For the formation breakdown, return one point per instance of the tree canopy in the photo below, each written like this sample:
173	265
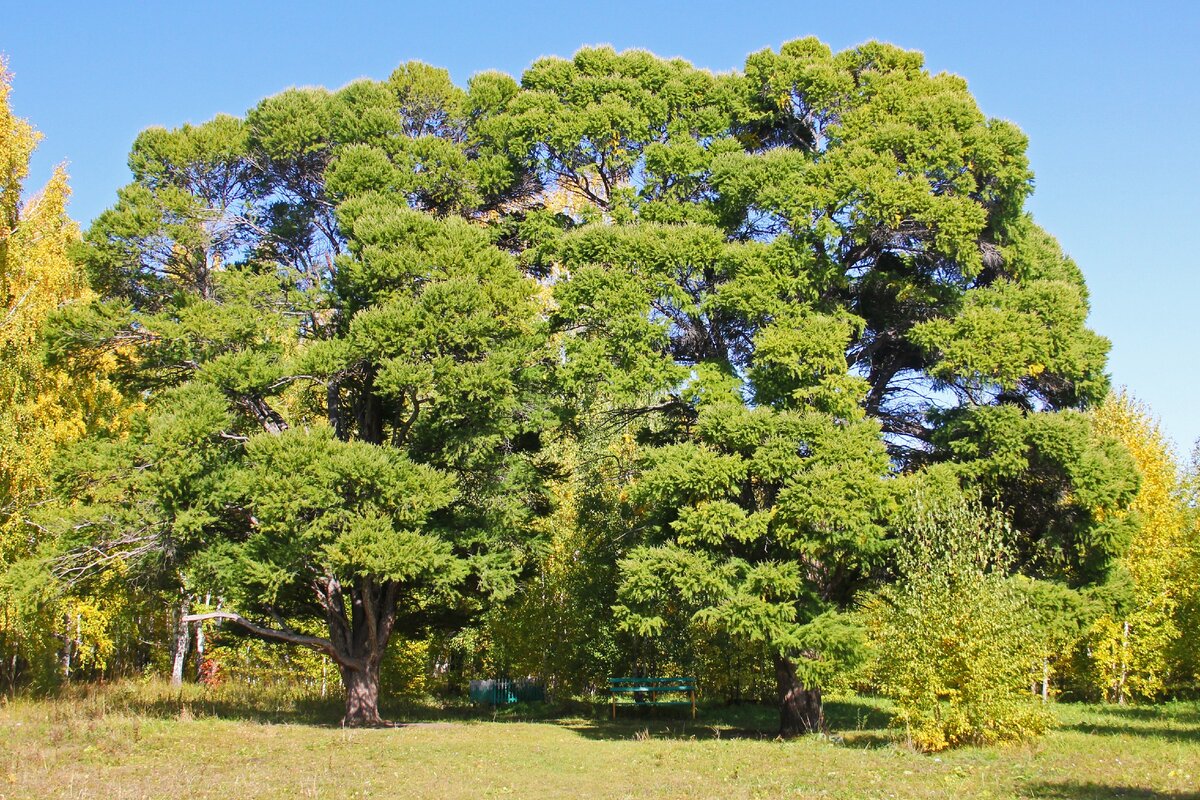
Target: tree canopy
372	334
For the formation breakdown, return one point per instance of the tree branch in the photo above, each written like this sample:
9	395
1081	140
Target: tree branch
270	419
314	642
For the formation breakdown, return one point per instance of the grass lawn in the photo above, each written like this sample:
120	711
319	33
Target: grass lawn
143	742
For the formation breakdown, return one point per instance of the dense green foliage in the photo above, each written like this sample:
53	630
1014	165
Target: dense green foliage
624	366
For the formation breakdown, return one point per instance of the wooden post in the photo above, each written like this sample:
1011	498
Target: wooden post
693	694
614	705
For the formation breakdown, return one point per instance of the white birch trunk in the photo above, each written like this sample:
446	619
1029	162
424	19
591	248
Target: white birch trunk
182	638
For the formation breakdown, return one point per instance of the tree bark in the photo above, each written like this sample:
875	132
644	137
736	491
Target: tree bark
357	641
202	674
334	408
270	419
359	671
362	696
800	708
182	639
65	659
1124	663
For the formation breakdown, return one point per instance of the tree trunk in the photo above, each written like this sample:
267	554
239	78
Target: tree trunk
362	697
800	709
357	642
182	638
200	668
66	651
1124	663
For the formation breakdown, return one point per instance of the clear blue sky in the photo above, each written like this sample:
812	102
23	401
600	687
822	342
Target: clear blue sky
1109	95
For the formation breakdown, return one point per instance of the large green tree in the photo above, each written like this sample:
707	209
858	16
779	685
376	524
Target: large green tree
298	295
787	284
780	278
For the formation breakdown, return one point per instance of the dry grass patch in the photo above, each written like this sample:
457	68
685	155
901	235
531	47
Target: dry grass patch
138	742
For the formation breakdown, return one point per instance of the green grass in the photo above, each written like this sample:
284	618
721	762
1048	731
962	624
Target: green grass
134	741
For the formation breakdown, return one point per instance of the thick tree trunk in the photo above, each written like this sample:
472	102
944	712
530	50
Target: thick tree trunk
356	643
361	641
362	697
334	408
800	709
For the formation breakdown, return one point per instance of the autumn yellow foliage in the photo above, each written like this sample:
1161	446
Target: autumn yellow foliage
41	409
1133	652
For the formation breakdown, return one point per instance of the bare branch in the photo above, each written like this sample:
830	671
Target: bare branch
314	642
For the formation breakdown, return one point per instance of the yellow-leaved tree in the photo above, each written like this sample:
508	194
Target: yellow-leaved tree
41	409
1137	654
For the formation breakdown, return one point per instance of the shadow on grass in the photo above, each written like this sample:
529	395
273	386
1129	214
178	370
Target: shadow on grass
263	705
1167	734
321	712
1102	791
852	723
858	713
1186	713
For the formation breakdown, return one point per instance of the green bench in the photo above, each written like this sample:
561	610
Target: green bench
646	691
